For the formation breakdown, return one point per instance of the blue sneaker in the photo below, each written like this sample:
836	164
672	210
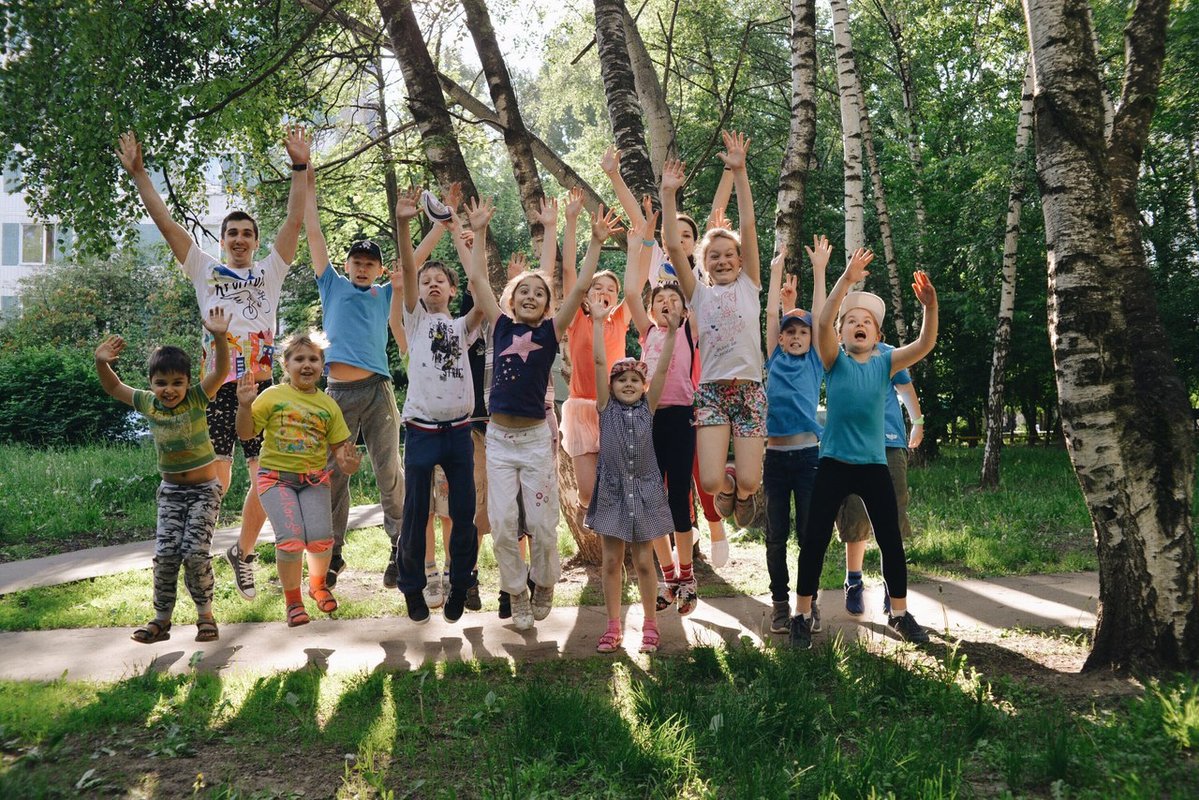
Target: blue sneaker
854	603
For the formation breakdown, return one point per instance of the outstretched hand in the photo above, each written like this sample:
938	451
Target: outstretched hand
110	349
855	270
649	220
547	215
923	287
408	204
674	175
453	196
247	389
819	252
298	143
718	220
599	309
736	145
574	202
129	151
517	263
217	321
604	224
789	293
610	161
479	212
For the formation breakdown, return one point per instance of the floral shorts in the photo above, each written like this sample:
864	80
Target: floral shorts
740	405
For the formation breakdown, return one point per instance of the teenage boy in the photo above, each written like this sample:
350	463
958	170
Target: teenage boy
248	291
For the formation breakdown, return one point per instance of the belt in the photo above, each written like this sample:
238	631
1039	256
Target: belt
430	425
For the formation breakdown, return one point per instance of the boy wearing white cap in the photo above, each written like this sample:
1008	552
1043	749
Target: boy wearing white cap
852	456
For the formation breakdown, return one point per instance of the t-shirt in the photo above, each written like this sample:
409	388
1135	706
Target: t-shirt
440	387
297	428
729	330
355	321
678	390
180	433
793	392
895	432
250	297
856	394
520	371
578	340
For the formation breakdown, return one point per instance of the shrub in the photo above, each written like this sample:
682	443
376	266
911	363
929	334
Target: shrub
51	396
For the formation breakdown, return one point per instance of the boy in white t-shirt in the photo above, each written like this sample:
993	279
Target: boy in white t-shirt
248	291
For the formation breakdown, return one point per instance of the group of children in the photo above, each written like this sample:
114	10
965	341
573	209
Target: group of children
637	431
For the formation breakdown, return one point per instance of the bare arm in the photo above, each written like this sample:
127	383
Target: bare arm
636	272
736	145
907	396
218	325
570	239
406	210
548	217
909	354
819	254
395	312
720	201
603	225
129	151
610	163
672	179
109	351
826	334
658	381
318	248
247	391
298	150
479	213
774	298
600	357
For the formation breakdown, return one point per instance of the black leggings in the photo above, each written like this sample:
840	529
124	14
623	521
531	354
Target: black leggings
674	446
836	480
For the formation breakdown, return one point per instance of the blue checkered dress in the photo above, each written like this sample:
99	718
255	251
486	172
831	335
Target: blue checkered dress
629	501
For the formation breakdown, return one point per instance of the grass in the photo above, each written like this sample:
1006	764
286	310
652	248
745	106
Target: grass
841	721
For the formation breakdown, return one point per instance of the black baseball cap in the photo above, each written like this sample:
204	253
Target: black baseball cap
367	247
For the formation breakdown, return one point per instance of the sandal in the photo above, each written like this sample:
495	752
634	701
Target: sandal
667	591
611	640
206	630
296	615
650	638
324	598
153	631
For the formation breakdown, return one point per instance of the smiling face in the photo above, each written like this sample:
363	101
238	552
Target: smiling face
859	331
627	387
239	240
722	260
530	299
796	339
363	270
169	387
436	288
303	366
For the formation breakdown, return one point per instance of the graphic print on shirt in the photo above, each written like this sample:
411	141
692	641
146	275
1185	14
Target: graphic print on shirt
299	430
244	299
724	324
522	345
446	348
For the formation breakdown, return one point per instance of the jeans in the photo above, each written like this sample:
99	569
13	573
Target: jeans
787	475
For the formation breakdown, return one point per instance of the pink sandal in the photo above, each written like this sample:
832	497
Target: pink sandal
611	640
650	638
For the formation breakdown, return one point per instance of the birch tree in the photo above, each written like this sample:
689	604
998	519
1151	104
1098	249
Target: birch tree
662	143
851	128
620	90
797	158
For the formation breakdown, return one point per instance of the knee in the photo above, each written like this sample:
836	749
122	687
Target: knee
320	546
289	550
198	561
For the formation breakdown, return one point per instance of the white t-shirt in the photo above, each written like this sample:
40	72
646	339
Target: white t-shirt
729	330
250	298
439	380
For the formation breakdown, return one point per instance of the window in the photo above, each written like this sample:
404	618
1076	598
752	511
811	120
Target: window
9	307
12	177
37	244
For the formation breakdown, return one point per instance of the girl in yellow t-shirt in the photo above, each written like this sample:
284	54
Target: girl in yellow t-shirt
300	425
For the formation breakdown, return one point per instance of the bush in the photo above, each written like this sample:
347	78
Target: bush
51	396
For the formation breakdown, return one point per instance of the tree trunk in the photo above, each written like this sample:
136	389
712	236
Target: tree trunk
1135	469
662	143
1007	292
427	105
851	129
391	183
793	177
620	90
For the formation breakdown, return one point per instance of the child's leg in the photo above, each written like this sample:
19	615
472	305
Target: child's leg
803	480
747	415
479	443
315	510
539	487
580	439
503	484
747	457
202	514
431	541
897	465
421	448
643	562
674	447
462	543
829	489
853	526
878	495
380	426
712	446
168	548
611	575
708	503
778	521
352	400
278	493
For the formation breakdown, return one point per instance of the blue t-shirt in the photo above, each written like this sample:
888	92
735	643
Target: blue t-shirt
355	321
895	431
793	392
520	369
856	397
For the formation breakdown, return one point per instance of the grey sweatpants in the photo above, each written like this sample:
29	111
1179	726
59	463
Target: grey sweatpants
369	407
186	519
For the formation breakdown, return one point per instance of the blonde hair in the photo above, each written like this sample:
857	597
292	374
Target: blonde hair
510	291
314	339
701	249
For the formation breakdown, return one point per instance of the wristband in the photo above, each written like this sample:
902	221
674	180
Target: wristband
648	242
298	167
918	420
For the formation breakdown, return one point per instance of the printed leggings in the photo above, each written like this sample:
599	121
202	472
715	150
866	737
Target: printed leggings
186	519
297	504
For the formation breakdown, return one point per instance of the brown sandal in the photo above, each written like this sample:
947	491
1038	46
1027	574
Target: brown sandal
206	630
296	615
153	631
324	599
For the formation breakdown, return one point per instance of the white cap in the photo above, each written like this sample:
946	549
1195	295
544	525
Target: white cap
867	300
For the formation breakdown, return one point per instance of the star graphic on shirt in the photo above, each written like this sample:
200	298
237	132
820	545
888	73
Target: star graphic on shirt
521	346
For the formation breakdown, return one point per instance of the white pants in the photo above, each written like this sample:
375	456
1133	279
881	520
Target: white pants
520	461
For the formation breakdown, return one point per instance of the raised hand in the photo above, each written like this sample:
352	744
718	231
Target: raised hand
789	294
479	212
674	175
599	308
298	144
574	202
674	318
649	225
517	263
610	161
719	220
408	204
548	213
923	287
468	238
129	151
453	196
247	389
396	277
217	321
819	252
735	147
110	349
856	271
605	224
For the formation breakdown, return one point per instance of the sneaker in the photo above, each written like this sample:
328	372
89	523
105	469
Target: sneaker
854	603
433	591
886	601
336	565
473	601
243	570
543	601
724	501
720	552
505	605
815	621
687	596
455	603
745	510
908	628
522	611
418	609
801	633
780	617
667	592
391	574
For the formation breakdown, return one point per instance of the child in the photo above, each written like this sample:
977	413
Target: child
794	373
629	504
730	399
526	339
248	291
189	497
673	433
437	420
300	425
852	460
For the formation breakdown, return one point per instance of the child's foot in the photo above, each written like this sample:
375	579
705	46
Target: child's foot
745	510
473	601
243	570
391	574
522	611
611	640
324	599
649	638
688	596
667	592
720	552
206	630
153	631
543	602
854	604
780	616
434	596
801	633
418	609
455	604
296	615
908	628
725	499
336	565
505	605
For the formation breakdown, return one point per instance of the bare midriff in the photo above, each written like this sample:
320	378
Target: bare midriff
512	421
348	372
792	440
192	477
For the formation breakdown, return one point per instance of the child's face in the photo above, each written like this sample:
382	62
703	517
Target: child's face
627	387
686	238
436	291
169	387
363	270
530	299
859	331
796	339
665	303
240	243
722	261
603	293
304	367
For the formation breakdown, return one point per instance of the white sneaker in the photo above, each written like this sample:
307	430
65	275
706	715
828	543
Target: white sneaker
433	592
720	553
522	611
543	601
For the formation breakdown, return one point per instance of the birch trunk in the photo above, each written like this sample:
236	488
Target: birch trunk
851	129
662	143
793	177
1120	405
1007	291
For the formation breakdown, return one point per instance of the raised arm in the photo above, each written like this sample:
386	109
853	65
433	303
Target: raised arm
736	145
907	396
658	381
479	214
298	146
819	254
406	211
217	324
570	238
599	315
603	224
548	217
395	312
826	334
636	272
610	163
673	175
720	201
129	151
247	391
318	248
910	353
109	351
774	297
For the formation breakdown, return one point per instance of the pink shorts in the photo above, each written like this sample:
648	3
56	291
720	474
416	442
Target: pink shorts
740	405
580	427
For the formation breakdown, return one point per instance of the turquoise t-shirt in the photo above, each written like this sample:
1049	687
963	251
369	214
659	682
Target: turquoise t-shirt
856	396
895	432
792	392
355	321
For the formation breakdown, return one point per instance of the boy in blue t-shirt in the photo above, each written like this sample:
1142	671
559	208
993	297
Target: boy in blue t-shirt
852	453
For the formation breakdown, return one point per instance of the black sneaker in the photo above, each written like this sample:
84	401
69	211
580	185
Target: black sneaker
908	628
780	616
854	604
505	605
391	575
243	570
801	633
418	609
473	601
455	603
336	565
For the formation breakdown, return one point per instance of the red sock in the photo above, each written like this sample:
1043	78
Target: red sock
684	572
293	596
668	572
316	583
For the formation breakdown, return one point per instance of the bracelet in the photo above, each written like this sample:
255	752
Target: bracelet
298	167
648	242
918	420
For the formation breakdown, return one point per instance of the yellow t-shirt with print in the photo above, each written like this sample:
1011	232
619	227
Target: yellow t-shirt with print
297	428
